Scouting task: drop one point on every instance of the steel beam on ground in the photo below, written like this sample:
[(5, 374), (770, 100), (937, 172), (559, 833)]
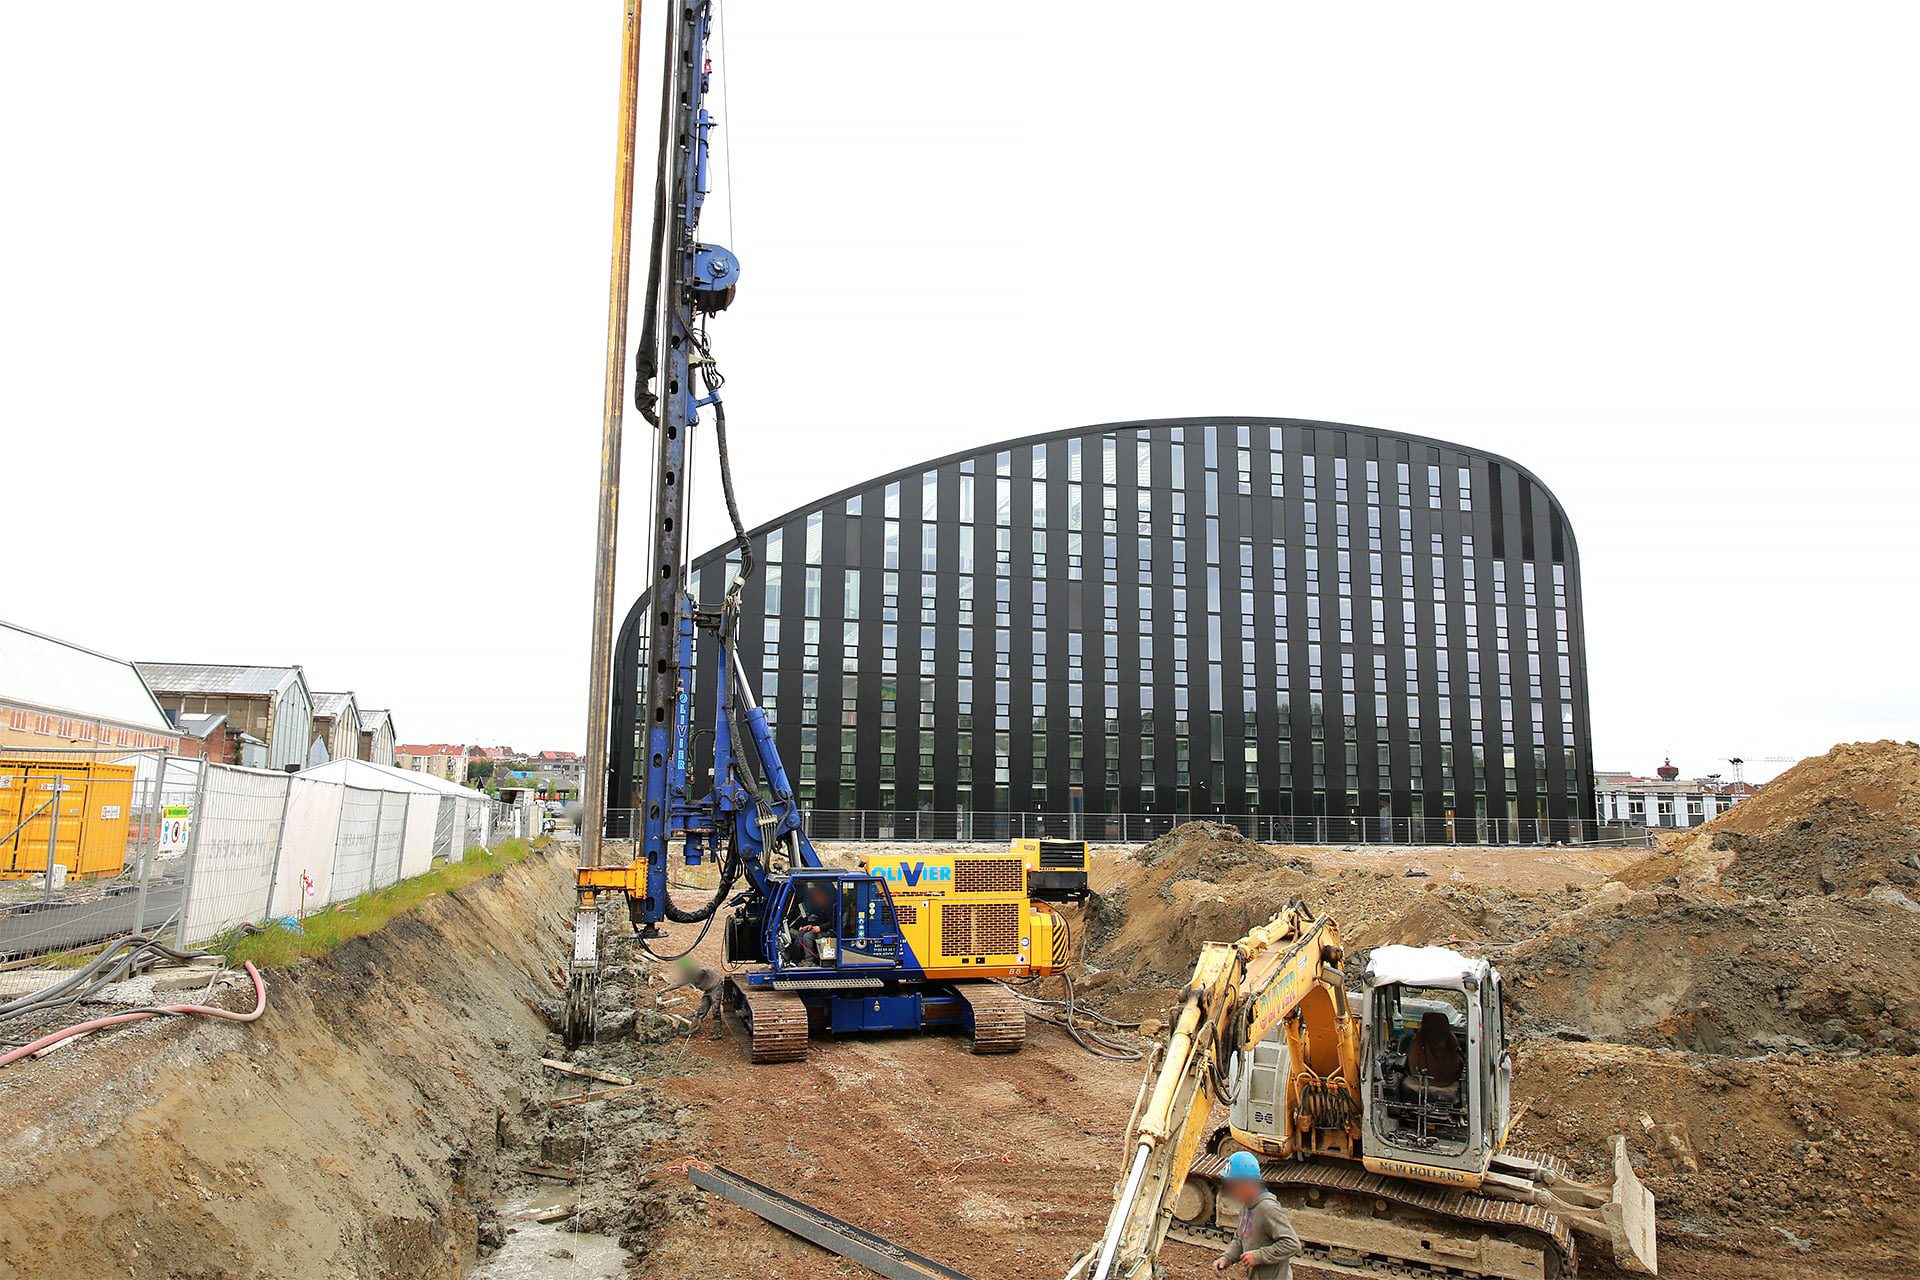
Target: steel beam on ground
[(880, 1256)]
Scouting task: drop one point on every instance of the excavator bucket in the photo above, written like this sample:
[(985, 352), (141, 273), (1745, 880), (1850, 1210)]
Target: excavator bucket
[(1628, 1214), (1619, 1212)]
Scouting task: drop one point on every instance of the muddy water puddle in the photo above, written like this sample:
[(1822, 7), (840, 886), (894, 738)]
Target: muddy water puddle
[(548, 1250)]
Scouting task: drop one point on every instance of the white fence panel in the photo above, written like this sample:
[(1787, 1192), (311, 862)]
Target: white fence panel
[(444, 814), (393, 833), (353, 846), (236, 836), (305, 879), (416, 852)]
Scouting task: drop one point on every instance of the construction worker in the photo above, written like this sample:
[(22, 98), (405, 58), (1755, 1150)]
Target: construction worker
[(706, 980), (1265, 1243)]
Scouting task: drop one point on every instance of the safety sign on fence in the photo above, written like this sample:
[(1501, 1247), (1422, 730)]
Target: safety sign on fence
[(173, 828)]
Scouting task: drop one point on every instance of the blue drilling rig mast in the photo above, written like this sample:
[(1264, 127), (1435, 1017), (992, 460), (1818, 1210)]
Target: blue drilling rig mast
[(811, 947)]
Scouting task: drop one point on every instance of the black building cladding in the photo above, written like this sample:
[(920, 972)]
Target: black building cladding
[(1231, 615)]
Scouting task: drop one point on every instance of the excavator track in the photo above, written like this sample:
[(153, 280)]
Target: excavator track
[(1522, 1228), (999, 1021), (777, 1023)]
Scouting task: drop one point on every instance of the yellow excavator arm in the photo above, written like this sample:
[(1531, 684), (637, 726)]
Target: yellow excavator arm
[(1238, 994)]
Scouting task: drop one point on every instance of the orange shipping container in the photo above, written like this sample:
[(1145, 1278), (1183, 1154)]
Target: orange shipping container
[(94, 803)]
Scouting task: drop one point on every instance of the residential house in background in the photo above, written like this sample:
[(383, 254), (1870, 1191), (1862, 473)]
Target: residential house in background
[(272, 704), (376, 736), (56, 694), (1666, 799), (336, 725), (555, 773), (441, 759)]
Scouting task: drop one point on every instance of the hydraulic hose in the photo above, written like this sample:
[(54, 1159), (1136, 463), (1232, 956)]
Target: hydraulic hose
[(135, 1015), (646, 356), (116, 960), (729, 873)]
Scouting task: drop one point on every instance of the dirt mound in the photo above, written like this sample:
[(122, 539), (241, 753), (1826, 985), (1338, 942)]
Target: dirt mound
[(1199, 846), (1205, 882), (1821, 1156), (1847, 822), (1666, 968)]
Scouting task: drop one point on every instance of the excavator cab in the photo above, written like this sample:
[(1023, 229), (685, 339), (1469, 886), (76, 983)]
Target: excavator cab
[(1435, 1069)]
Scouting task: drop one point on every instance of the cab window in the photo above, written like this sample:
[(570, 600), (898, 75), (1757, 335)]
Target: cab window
[(865, 911)]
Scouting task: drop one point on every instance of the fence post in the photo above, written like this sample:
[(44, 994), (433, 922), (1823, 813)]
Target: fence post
[(199, 820), (333, 865), (279, 846), (156, 820), (373, 862), (53, 831)]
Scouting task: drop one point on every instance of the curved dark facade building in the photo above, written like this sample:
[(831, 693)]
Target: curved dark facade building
[(1207, 616)]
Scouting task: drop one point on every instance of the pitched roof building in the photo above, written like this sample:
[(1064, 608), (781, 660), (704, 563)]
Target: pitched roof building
[(55, 694), (271, 703), (336, 725), (376, 736)]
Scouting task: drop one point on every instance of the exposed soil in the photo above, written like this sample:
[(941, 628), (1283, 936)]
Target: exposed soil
[(353, 1131), (1742, 1004)]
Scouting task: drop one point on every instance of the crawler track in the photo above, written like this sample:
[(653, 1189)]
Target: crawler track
[(999, 1021), (1329, 1183), (777, 1021)]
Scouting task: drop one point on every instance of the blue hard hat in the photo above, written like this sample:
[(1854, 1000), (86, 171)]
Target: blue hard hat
[(1242, 1164)]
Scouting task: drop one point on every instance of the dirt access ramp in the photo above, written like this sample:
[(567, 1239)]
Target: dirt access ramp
[(352, 1131)]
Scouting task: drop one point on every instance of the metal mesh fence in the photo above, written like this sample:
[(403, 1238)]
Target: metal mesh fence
[(235, 842), (390, 838), (86, 848), (353, 847), (964, 827), (443, 828), (100, 842)]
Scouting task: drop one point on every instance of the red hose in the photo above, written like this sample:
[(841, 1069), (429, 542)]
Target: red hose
[(135, 1015)]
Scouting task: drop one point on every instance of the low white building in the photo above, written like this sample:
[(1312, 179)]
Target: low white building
[(1666, 799)]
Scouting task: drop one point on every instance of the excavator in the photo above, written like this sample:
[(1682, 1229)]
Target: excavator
[(1383, 1132)]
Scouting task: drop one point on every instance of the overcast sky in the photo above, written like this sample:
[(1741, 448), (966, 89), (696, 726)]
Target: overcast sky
[(302, 309)]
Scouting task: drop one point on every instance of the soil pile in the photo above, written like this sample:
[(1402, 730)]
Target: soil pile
[(1847, 823), (1810, 1156), (1694, 971), (1205, 882)]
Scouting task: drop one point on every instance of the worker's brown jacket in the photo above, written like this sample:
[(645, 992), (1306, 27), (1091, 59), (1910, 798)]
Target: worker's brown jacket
[(1266, 1233)]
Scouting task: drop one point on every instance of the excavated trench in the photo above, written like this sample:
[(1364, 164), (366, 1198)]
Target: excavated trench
[(360, 1128)]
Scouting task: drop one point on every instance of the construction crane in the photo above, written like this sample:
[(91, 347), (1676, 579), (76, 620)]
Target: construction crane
[(901, 942), (1383, 1133), (1740, 763)]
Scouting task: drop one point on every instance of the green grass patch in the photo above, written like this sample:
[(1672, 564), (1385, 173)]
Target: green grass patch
[(321, 932)]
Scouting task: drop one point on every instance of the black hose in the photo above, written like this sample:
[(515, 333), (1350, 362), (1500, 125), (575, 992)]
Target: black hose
[(645, 358), (726, 487), (729, 873), (118, 959)]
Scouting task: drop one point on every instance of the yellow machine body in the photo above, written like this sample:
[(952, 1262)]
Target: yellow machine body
[(968, 915), (93, 802)]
